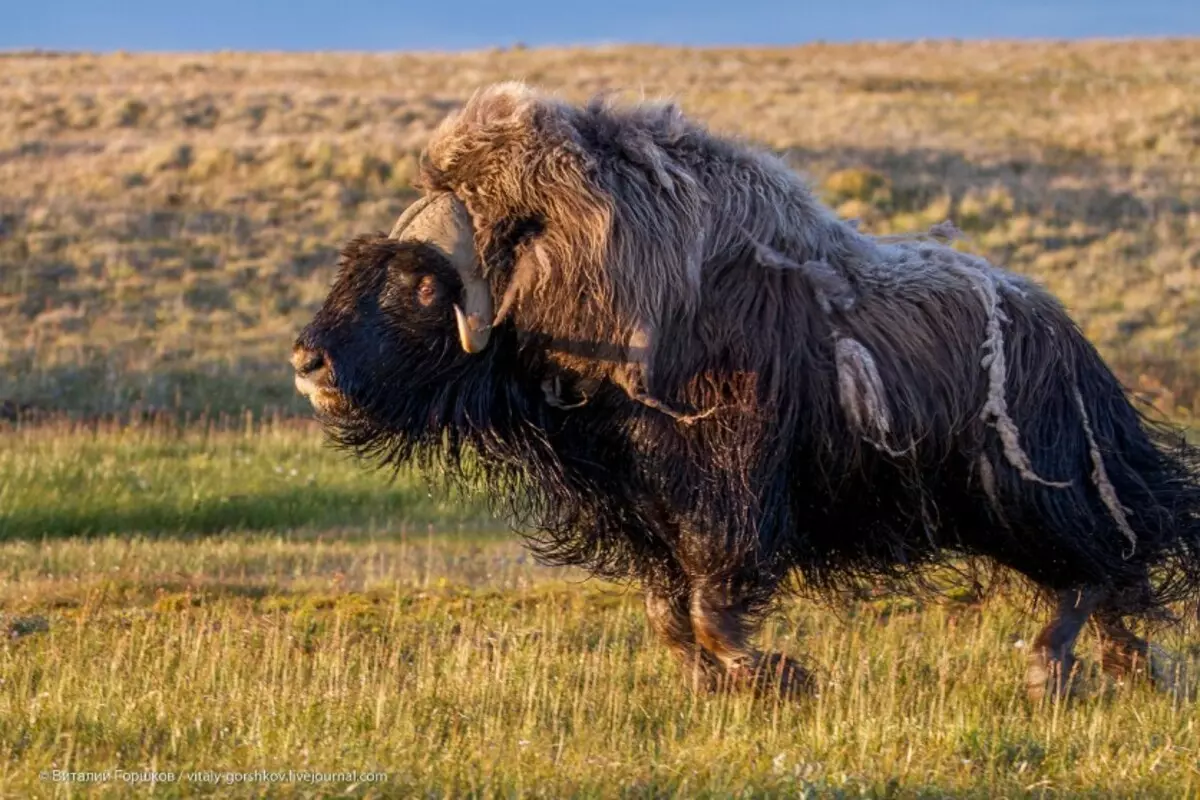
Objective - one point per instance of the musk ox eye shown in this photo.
(427, 290)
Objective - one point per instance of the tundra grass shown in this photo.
(168, 222)
(365, 631)
(70, 479)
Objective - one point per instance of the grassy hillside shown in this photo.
(168, 222)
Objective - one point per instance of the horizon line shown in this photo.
(518, 46)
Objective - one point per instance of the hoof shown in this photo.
(1051, 678)
(1164, 670)
(702, 673)
(1168, 672)
(775, 675)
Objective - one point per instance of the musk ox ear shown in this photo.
(442, 222)
(366, 248)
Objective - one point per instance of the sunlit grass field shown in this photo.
(238, 596)
(229, 594)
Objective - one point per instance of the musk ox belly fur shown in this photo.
(694, 374)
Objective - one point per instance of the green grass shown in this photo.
(198, 479)
(345, 623)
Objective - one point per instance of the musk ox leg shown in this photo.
(1051, 658)
(670, 619)
(1124, 655)
(723, 626)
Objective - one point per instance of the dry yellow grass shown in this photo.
(168, 221)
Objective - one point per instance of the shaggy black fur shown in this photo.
(758, 493)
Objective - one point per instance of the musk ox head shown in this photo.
(583, 228)
(406, 312)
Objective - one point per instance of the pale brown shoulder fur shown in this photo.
(635, 207)
(632, 203)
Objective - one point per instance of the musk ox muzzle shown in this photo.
(312, 369)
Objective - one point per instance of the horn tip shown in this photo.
(471, 335)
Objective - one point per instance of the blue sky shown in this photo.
(468, 24)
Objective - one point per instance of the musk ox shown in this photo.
(669, 362)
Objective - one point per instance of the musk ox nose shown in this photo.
(306, 360)
(313, 374)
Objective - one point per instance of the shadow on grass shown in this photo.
(301, 507)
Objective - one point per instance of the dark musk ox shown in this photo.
(659, 353)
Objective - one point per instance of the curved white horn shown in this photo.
(443, 222)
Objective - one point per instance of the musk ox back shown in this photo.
(671, 363)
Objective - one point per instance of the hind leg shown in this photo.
(1052, 662)
(724, 624)
(1125, 655)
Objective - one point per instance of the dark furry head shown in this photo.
(382, 365)
(382, 355)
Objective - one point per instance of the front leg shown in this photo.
(1052, 662)
(667, 613)
(723, 626)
